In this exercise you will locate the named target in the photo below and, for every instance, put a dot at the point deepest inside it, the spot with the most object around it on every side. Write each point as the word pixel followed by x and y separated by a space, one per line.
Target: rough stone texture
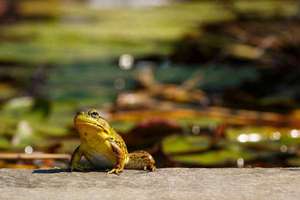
pixel 169 183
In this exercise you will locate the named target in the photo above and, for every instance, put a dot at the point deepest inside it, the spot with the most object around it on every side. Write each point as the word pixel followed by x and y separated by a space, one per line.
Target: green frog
pixel 103 148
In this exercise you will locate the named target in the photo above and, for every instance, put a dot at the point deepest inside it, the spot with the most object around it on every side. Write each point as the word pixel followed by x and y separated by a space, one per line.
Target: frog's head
pixel 90 124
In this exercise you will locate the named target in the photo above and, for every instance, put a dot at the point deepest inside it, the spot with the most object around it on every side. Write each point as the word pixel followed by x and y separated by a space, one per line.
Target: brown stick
pixel 230 116
pixel 33 156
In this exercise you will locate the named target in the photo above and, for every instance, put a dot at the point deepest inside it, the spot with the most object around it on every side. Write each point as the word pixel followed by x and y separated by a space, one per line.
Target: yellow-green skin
pixel 104 148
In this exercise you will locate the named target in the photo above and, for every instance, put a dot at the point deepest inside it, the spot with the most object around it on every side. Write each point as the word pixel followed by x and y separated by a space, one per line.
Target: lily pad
pixel 213 158
pixel 181 144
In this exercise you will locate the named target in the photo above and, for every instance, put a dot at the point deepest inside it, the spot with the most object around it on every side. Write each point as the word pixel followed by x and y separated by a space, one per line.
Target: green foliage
pixel 180 144
pixel 214 158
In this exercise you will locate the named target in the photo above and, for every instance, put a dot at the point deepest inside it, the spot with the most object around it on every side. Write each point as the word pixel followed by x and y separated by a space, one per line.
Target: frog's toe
pixel 115 171
pixel 152 168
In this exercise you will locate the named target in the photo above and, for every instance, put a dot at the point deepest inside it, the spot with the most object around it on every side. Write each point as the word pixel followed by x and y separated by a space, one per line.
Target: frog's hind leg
pixel 140 160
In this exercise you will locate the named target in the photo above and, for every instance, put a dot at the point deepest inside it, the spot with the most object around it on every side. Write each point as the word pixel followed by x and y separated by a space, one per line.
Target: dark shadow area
pixel 49 171
pixel 52 171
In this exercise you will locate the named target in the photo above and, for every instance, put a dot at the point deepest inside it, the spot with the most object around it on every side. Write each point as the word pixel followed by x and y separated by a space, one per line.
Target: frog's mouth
pixel 89 124
pixel 80 123
pixel 87 129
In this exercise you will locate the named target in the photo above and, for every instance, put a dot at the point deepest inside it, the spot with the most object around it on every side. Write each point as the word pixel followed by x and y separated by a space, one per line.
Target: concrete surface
pixel 206 184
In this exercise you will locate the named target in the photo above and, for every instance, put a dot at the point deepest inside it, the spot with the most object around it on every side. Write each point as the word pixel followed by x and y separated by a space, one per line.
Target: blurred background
pixel 197 83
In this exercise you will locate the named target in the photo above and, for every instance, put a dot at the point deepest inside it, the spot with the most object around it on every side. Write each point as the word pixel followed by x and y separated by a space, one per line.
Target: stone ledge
pixel 170 183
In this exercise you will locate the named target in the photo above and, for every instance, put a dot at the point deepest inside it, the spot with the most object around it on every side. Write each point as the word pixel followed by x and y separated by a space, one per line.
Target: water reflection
pixel 196 129
pixel 126 61
pixel 295 133
pixel 283 148
pixel 240 162
pixel 28 149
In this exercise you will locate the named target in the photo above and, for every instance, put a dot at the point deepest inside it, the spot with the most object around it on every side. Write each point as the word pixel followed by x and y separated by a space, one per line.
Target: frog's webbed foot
pixel 151 167
pixel 116 171
pixel 120 155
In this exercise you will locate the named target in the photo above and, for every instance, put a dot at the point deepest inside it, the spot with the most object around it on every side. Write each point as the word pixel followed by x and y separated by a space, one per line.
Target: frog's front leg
pixel 120 157
pixel 75 164
pixel 140 160
pixel 75 159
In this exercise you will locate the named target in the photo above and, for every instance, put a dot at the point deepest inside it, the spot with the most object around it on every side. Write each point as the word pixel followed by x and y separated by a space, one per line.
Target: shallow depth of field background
pixel 196 83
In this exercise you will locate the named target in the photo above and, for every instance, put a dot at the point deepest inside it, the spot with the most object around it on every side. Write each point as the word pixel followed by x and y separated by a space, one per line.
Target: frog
pixel 104 148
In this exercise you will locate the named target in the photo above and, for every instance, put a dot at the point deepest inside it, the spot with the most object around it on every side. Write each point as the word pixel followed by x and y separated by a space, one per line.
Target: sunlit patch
pixel 295 133
pixel 252 137
pixel 196 129
pixel 131 98
pixel 28 149
pixel 240 162
pixel 126 61
pixel 243 138
pixel 283 148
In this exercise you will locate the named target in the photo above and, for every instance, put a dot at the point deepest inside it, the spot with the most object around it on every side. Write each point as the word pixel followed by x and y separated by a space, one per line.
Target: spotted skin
pixel 140 160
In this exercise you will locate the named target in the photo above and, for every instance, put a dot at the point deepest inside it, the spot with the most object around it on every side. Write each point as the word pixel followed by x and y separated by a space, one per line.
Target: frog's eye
pixel 94 114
